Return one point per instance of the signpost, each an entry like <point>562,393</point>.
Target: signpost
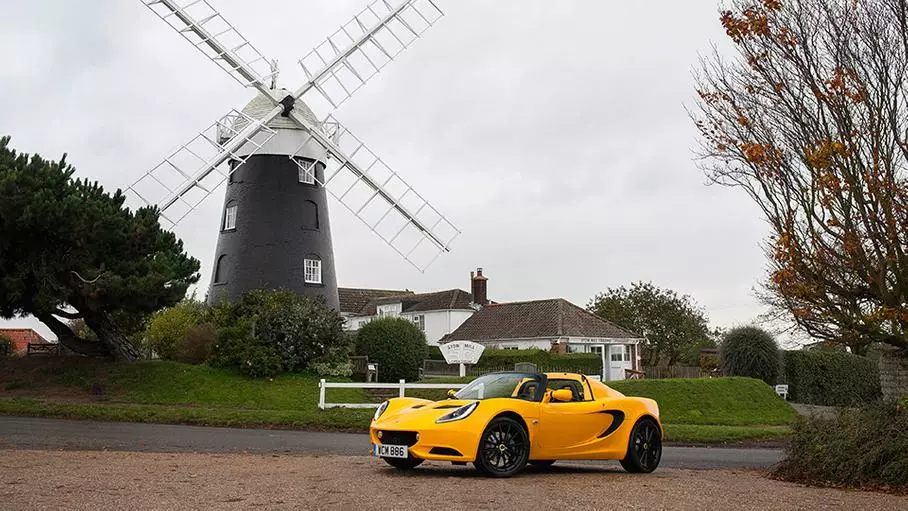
<point>462,352</point>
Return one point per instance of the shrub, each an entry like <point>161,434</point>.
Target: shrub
<point>752,352</point>
<point>168,327</point>
<point>397,345</point>
<point>861,447</point>
<point>299,330</point>
<point>830,378</point>
<point>236,347</point>
<point>195,346</point>
<point>434,353</point>
<point>7,348</point>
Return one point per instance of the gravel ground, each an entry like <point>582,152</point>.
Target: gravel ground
<point>117,480</point>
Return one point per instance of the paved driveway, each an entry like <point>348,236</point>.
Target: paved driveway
<point>36,433</point>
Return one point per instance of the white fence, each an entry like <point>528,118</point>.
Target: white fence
<point>402,386</point>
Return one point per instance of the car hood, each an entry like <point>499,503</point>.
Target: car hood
<point>415,414</point>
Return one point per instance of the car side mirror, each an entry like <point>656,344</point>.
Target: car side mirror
<point>452,393</point>
<point>563,395</point>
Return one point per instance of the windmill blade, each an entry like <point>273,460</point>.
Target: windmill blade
<point>345,61</point>
<point>379,197</point>
<point>180,183</point>
<point>203,26</point>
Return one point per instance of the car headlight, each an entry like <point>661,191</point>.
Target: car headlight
<point>381,410</point>
<point>461,413</point>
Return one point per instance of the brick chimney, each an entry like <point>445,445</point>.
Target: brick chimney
<point>478,288</point>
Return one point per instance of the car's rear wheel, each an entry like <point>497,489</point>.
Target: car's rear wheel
<point>504,448</point>
<point>644,448</point>
<point>404,463</point>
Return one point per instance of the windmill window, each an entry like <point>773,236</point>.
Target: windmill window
<point>310,215</point>
<point>307,172</point>
<point>230,217</point>
<point>220,269</point>
<point>312,271</point>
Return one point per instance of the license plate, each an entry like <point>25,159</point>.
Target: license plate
<point>390,451</point>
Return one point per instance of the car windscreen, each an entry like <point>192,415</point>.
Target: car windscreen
<point>516,385</point>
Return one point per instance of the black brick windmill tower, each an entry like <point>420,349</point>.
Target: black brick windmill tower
<point>280,162</point>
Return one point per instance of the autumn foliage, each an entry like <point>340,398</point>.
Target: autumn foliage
<point>810,119</point>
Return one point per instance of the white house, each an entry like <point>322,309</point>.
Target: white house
<point>553,324</point>
<point>437,314</point>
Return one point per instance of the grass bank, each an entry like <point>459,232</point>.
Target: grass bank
<point>694,411</point>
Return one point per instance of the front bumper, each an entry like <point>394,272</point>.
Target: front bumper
<point>440,442</point>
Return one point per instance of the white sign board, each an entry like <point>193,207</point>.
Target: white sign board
<point>462,352</point>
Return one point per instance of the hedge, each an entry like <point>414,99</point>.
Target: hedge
<point>865,447</point>
<point>588,363</point>
<point>830,378</point>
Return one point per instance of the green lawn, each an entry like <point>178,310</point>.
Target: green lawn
<point>713,401</point>
<point>702,410</point>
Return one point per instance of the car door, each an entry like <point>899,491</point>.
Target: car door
<point>570,428</point>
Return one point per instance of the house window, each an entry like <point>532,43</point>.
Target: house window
<point>313,271</point>
<point>307,173</point>
<point>230,217</point>
<point>619,354</point>
<point>220,269</point>
<point>420,322</point>
<point>510,347</point>
<point>596,349</point>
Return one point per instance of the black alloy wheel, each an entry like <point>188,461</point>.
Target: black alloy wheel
<point>404,463</point>
<point>504,448</point>
<point>644,449</point>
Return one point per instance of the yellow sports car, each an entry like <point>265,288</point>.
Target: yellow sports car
<point>502,421</point>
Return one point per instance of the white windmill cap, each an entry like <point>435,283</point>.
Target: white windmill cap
<point>261,105</point>
<point>288,139</point>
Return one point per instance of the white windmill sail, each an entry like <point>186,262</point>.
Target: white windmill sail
<point>204,27</point>
<point>380,198</point>
<point>347,59</point>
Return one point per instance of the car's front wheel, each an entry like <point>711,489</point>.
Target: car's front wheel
<point>503,448</point>
<point>644,448</point>
<point>404,463</point>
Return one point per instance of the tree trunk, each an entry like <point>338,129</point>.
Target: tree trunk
<point>119,346</point>
<point>71,341</point>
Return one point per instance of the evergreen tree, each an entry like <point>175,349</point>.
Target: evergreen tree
<point>70,250</point>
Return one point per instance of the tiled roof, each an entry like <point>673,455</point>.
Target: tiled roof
<point>540,318</point>
<point>354,300</point>
<point>22,337</point>
<point>441,300</point>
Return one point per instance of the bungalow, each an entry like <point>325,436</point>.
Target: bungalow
<point>553,324</point>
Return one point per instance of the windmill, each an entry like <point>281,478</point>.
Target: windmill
<point>280,161</point>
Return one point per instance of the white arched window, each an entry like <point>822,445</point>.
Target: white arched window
<point>230,216</point>
<point>312,268</point>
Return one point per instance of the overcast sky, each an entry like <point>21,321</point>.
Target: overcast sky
<point>553,134</point>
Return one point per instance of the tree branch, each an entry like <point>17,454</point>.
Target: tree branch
<point>67,315</point>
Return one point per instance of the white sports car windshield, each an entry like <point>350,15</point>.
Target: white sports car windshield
<point>516,385</point>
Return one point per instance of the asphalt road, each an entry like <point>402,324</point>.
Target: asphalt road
<point>36,433</point>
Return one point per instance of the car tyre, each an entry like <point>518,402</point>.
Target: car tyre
<point>504,448</point>
<point>644,447</point>
<point>404,463</point>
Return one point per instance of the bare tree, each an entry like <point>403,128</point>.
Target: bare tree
<point>809,119</point>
